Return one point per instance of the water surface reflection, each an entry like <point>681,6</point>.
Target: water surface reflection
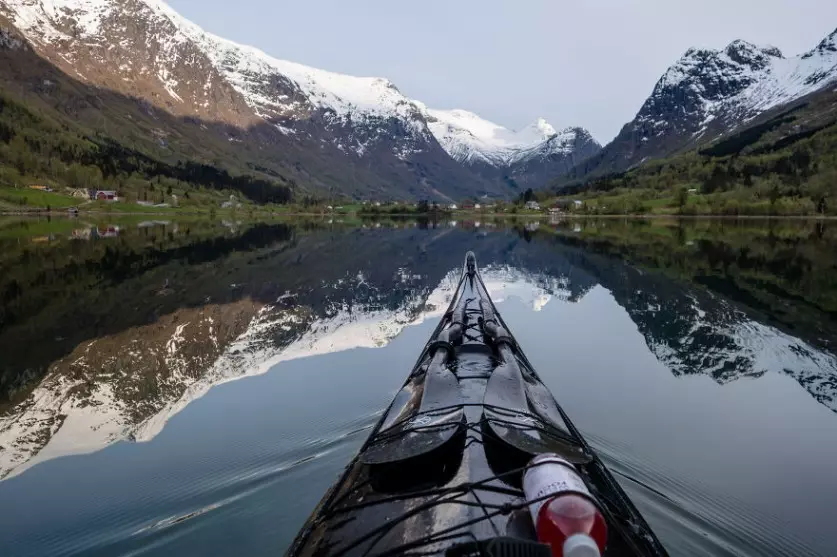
<point>697,355</point>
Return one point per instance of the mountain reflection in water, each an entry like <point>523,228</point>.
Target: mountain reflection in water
<point>106,337</point>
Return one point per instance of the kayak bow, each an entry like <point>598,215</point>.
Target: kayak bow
<point>441,472</point>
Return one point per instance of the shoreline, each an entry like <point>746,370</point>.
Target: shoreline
<point>438,216</point>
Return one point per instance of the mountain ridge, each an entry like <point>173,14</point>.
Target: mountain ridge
<point>331,134</point>
<point>709,93</point>
<point>524,157</point>
<point>145,49</point>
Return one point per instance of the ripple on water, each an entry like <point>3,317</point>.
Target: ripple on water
<point>692,518</point>
<point>210,501</point>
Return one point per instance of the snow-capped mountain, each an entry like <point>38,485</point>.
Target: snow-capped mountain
<point>707,93</point>
<point>145,42</point>
<point>469,138</point>
<point>735,84</point>
<point>527,156</point>
<point>144,49</point>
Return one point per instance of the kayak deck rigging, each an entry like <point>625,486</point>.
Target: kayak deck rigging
<point>441,472</point>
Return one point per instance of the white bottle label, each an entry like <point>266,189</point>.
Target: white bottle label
<point>549,475</point>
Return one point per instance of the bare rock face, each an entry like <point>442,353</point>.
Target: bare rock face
<point>129,47</point>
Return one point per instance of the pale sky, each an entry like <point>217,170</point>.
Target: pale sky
<point>587,63</point>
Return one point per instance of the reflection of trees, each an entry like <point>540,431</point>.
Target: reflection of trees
<point>235,310</point>
<point>73,292</point>
<point>717,328</point>
<point>55,297</point>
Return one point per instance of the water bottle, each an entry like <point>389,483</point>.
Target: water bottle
<point>569,521</point>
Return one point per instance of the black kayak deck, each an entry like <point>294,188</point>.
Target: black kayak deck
<point>441,472</point>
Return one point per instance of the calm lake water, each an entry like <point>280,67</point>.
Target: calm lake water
<point>193,388</point>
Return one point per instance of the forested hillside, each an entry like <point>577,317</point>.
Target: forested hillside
<point>784,164</point>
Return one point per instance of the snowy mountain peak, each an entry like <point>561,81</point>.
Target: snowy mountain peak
<point>145,49</point>
<point>734,64</point>
<point>731,86</point>
<point>470,138</point>
<point>707,93</point>
<point>82,18</point>
<point>743,52</point>
<point>827,45</point>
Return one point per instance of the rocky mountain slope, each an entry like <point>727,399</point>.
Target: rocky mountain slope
<point>362,129</point>
<point>709,93</point>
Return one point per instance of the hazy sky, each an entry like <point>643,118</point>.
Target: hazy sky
<point>584,63</point>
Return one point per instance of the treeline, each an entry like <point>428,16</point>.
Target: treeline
<point>760,171</point>
<point>34,146</point>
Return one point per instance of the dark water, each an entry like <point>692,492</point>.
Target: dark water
<point>191,388</point>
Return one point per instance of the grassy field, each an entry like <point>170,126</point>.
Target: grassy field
<point>24,198</point>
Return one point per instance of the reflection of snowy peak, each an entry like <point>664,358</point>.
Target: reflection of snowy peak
<point>534,290</point>
<point>707,335</point>
<point>99,393</point>
<point>103,392</point>
<point>694,331</point>
<point>128,385</point>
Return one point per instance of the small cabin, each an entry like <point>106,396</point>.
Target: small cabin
<point>105,195</point>
<point>533,206</point>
